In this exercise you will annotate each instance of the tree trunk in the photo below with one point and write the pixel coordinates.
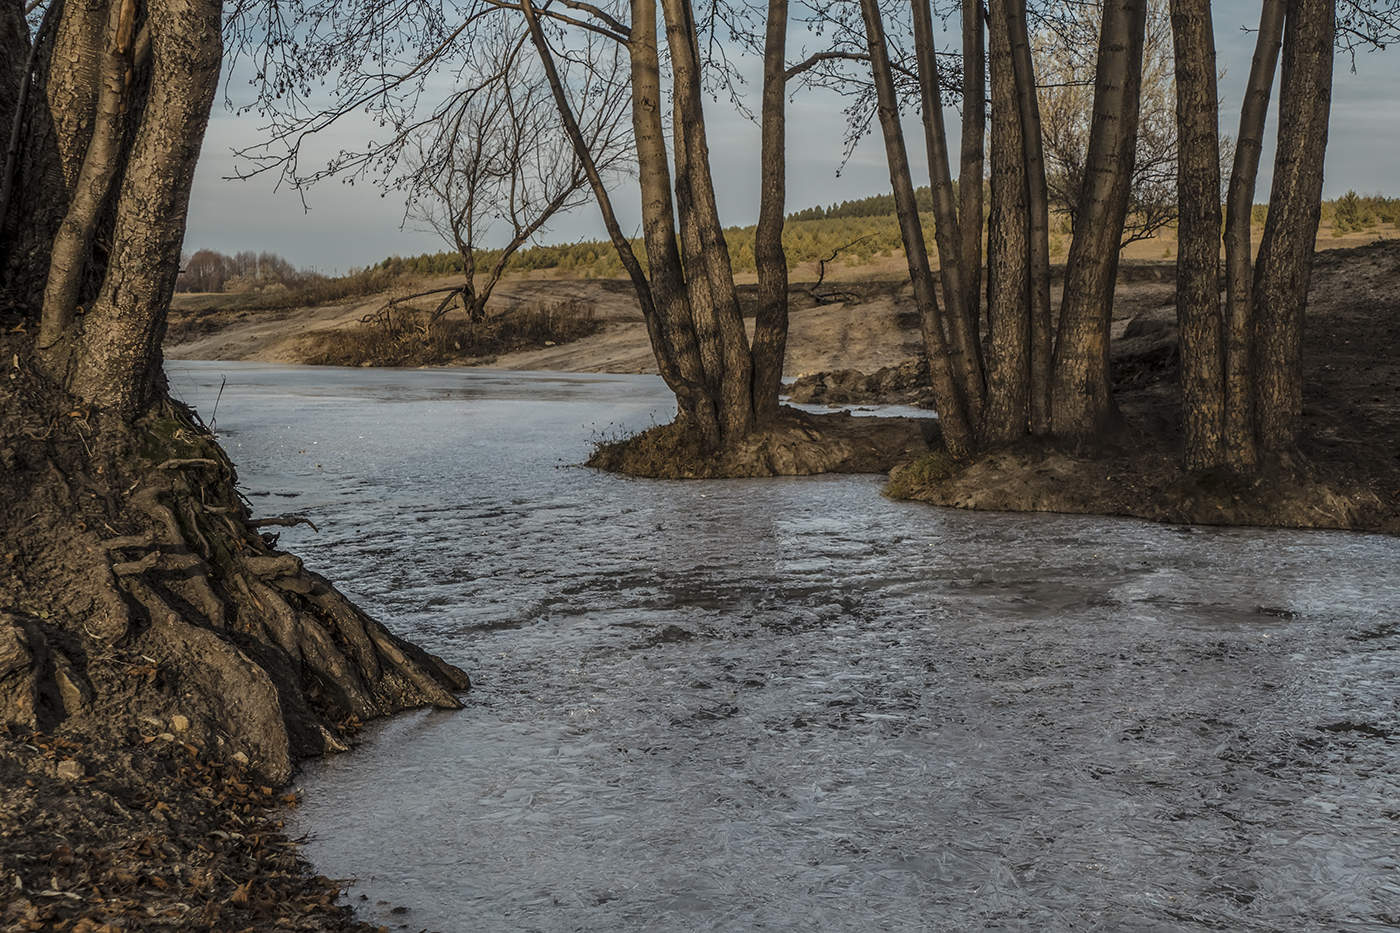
(118, 361)
(659, 224)
(53, 142)
(963, 346)
(952, 412)
(1285, 261)
(704, 315)
(14, 52)
(1198, 236)
(1082, 400)
(1006, 417)
(771, 324)
(735, 399)
(1241, 451)
(658, 333)
(970, 167)
(151, 552)
(1038, 204)
(69, 252)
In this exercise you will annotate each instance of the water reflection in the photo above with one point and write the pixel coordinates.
(796, 705)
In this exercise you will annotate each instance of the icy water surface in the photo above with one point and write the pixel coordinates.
(795, 705)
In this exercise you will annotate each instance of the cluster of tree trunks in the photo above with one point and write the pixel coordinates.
(1006, 364)
(725, 386)
(1039, 371)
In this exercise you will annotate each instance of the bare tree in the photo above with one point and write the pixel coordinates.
(388, 61)
(1198, 272)
(500, 159)
(1081, 398)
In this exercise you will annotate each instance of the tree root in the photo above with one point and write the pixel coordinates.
(254, 656)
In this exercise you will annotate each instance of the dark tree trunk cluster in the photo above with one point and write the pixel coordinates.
(1242, 391)
(725, 385)
(1040, 371)
(1022, 379)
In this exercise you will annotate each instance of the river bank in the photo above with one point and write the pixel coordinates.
(862, 349)
(1345, 473)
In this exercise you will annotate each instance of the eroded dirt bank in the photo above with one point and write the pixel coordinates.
(798, 444)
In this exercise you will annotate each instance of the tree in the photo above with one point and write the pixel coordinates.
(953, 372)
(1199, 319)
(499, 157)
(1259, 386)
(725, 387)
(1081, 399)
(1068, 389)
(148, 550)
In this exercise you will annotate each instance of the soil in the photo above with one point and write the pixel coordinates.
(146, 833)
(856, 325)
(163, 666)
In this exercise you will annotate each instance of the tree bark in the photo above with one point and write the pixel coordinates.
(952, 412)
(1006, 417)
(659, 224)
(1198, 224)
(963, 346)
(1284, 268)
(1038, 204)
(704, 315)
(14, 52)
(735, 399)
(118, 362)
(17, 51)
(771, 323)
(1081, 400)
(69, 253)
(1241, 452)
(970, 166)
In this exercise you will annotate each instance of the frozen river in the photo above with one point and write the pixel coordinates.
(796, 705)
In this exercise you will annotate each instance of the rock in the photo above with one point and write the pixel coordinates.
(166, 737)
(21, 658)
(179, 723)
(240, 759)
(14, 646)
(70, 770)
(74, 691)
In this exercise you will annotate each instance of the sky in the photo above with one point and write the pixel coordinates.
(343, 227)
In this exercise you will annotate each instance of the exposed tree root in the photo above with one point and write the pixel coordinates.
(128, 548)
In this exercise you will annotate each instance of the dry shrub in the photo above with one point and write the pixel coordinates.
(410, 340)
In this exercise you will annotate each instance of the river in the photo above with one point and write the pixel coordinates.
(796, 705)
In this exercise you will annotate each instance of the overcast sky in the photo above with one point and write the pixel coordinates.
(348, 226)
